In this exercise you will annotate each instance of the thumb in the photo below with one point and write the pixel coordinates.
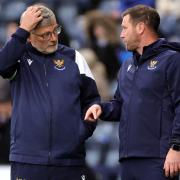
(87, 115)
(99, 113)
(94, 114)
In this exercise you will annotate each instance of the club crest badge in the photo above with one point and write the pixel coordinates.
(152, 65)
(59, 64)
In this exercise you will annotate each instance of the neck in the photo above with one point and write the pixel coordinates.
(146, 40)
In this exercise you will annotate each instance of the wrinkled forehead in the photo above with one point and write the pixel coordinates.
(50, 27)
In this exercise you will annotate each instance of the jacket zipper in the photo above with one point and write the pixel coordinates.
(50, 119)
(135, 72)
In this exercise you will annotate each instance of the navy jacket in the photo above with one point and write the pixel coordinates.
(50, 95)
(147, 101)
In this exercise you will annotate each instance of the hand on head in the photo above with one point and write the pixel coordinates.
(30, 18)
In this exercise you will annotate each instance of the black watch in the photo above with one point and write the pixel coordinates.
(175, 147)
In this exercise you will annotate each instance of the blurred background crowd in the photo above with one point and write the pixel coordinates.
(93, 28)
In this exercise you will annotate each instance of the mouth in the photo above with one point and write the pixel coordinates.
(52, 45)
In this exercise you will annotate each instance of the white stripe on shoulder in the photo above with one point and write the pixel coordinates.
(83, 66)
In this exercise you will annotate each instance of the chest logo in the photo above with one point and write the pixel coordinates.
(129, 67)
(29, 61)
(83, 177)
(59, 64)
(152, 65)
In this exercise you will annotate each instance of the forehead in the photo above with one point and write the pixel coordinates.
(48, 27)
(126, 20)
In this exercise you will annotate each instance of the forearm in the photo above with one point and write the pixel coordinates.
(13, 49)
(175, 138)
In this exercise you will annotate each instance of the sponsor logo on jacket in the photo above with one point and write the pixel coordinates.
(83, 177)
(59, 64)
(152, 65)
(29, 61)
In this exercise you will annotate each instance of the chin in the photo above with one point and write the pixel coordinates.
(51, 50)
(130, 48)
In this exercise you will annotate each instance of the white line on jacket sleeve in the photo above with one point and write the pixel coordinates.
(83, 66)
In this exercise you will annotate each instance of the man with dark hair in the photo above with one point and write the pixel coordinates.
(52, 87)
(147, 100)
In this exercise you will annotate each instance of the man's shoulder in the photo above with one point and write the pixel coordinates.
(64, 48)
(66, 51)
(169, 48)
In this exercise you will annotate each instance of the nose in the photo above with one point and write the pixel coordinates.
(121, 35)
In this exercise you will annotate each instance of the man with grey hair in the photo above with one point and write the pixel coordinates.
(52, 87)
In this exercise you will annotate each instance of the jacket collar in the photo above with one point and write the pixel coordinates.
(35, 51)
(154, 49)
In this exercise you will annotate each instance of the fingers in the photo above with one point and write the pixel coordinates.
(176, 169)
(93, 113)
(30, 18)
(99, 111)
(96, 113)
(166, 169)
(171, 169)
(88, 115)
(35, 12)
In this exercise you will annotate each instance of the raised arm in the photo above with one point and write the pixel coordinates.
(14, 48)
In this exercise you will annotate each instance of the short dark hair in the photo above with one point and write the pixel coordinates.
(146, 14)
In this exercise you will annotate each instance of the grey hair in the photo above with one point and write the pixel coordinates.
(46, 13)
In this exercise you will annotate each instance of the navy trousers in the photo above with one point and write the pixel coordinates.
(143, 169)
(22, 171)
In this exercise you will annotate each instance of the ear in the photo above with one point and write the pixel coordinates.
(140, 27)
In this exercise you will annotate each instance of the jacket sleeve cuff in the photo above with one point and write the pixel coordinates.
(175, 141)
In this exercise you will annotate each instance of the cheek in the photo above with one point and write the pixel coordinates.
(41, 44)
(128, 34)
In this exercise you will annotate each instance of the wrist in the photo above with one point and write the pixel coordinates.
(175, 147)
(25, 28)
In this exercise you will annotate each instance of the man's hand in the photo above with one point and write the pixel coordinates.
(172, 163)
(30, 18)
(93, 113)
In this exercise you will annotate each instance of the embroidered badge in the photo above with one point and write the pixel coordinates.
(129, 67)
(20, 178)
(83, 177)
(29, 61)
(152, 65)
(59, 64)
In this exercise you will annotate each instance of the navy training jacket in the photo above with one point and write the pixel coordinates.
(147, 102)
(50, 95)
